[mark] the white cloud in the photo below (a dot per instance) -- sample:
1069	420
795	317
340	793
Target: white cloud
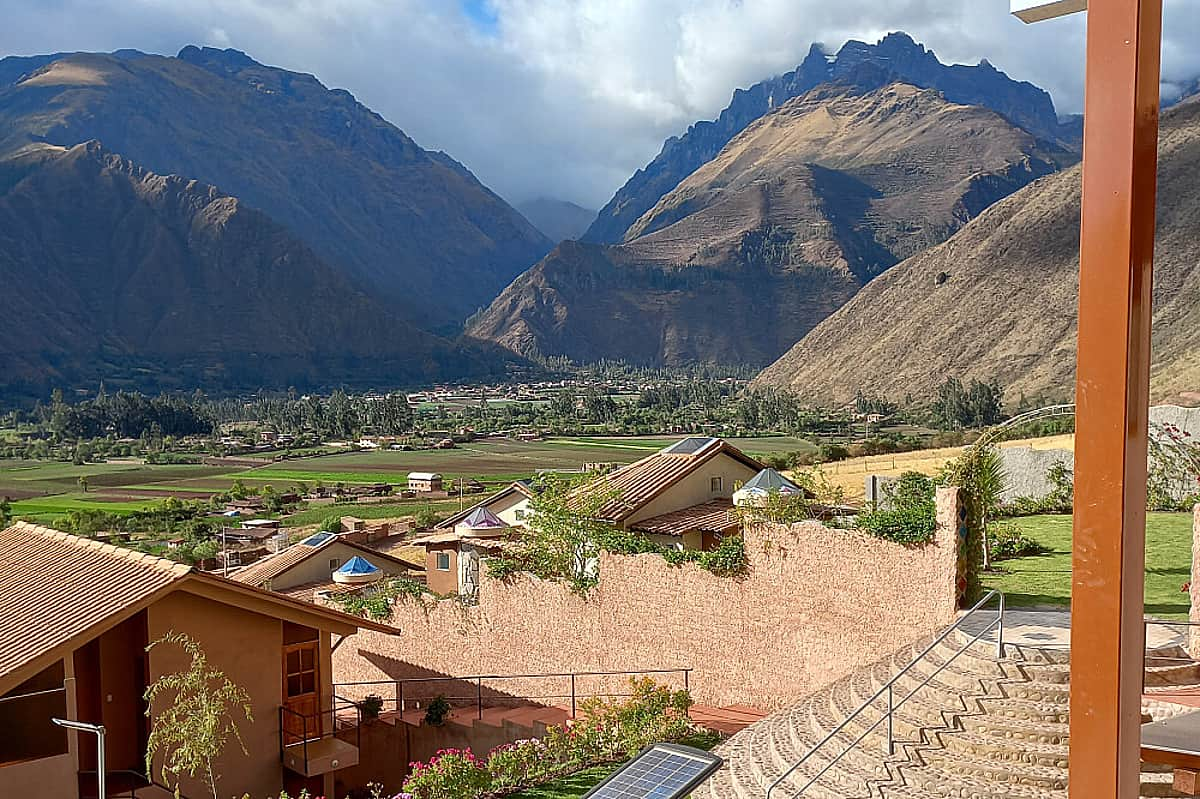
566	97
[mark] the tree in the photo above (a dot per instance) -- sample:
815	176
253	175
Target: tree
5	511
83	483
194	717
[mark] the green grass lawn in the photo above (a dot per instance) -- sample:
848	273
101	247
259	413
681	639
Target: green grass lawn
1046	579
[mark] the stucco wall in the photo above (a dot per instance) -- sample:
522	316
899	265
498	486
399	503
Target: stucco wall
816	604
696	488
48	778
247	647
1194	588
441	581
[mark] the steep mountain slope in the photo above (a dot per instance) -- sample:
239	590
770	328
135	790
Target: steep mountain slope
895	58
113	272
777	231
998	300
411	225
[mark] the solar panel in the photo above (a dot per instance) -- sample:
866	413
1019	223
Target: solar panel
317	539
661	771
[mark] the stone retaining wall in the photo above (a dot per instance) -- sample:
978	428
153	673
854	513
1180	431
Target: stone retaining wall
816	604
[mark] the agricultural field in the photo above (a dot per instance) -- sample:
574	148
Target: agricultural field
1045	580
44	490
849	474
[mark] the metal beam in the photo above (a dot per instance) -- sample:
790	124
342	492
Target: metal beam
1038	10
1112	395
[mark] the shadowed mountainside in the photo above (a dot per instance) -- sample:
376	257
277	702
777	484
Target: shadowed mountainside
410	225
161	282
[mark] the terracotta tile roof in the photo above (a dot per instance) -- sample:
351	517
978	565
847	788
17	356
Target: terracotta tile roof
56	589
55	586
708	517
635	485
272	566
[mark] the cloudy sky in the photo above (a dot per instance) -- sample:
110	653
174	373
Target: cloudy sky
566	98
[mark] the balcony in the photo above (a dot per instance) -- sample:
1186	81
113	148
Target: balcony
314	744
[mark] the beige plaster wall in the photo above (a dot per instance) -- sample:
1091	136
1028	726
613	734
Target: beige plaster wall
318	567
816	604
247	647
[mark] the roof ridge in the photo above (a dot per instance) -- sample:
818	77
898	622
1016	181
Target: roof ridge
124	553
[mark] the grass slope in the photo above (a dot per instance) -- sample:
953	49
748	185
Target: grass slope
1045	580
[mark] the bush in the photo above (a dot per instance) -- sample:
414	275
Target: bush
438	710
912	515
728	559
1007	541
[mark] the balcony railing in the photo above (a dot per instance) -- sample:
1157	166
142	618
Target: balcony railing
484	692
309	743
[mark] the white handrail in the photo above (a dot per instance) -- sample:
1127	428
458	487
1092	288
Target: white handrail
998	622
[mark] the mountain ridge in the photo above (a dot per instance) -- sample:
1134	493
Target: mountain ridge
896	58
782	227
412	225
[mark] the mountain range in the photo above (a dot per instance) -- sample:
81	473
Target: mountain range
895	58
788	219
998	299
399	244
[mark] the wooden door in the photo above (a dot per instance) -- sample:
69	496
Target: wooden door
301	691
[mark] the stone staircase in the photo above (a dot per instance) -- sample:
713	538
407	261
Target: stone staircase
981	728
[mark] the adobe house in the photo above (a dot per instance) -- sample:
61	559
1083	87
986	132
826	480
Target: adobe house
452	558
509	505
424	482
309	566
681	496
75	621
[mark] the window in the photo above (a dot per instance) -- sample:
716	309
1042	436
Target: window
443	561
333	564
715	485
301	666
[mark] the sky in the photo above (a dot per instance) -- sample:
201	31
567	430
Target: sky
567	98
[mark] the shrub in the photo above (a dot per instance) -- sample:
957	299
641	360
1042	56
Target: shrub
912	515
450	774
437	711
728	559
1007	541
370	706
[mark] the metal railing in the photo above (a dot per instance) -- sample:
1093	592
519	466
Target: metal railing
889	688
477	698
313	728
1148	655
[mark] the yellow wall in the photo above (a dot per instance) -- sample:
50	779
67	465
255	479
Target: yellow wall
695	488
247	647
506	508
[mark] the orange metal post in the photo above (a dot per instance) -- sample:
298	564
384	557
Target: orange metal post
1112	395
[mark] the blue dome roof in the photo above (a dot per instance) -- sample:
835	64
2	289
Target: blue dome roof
357	565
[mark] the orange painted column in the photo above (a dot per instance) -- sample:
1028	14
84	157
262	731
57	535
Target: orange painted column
1112	394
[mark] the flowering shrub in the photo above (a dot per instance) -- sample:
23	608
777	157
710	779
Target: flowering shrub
450	774
606	730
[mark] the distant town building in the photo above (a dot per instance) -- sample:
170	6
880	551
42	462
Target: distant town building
424	482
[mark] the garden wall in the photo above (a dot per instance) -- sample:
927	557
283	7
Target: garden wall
816	604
